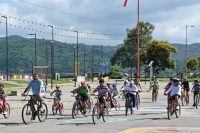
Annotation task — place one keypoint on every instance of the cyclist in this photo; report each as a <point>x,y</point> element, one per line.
<point>2,98</point>
<point>174,91</point>
<point>186,88</point>
<point>154,87</point>
<point>196,88</point>
<point>114,91</point>
<point>131,91</point>
<point>83,91</point>
<point>37,86</point>
<point>57,93</point>
<point>103,91</point>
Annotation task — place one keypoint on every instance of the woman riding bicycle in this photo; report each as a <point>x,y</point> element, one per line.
<point>2,97</point>
<point>174,91</point>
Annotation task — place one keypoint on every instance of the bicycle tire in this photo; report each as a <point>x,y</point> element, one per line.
<point>105,114</point>
<point>196,101</point>
<point>42,112</point>
<point>138,103</point>
<point>27,111</point>
<point>7,115</point>
<point>169,111</point>
<point>54,109</point>
<point>126,106</point>
<point>178,112</point>
<point>96,114</point>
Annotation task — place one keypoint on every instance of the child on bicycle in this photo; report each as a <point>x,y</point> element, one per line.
<point>196,88</point>
<point>2,97</point>
<point>155,88</point>
<point>57,93</point>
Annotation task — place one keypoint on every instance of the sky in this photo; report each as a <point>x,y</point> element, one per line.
<point>100,22</point>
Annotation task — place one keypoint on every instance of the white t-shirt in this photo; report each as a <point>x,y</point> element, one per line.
<point>132,89</point>
<point>173,90</point>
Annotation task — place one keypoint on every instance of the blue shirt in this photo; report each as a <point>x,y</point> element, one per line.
<point>35,85</point>
<point>196,87</point>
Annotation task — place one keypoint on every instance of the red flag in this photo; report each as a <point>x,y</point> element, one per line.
<point>125,2</point>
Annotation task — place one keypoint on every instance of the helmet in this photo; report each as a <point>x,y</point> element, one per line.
<point>83,83</point>
<point>176,79</point>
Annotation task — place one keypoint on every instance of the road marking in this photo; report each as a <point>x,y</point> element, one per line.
<point>162,129</point>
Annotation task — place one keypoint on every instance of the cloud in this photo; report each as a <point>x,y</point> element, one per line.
<point>107,16</point>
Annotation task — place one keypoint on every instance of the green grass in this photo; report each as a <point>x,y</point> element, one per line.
<point>8,87</point>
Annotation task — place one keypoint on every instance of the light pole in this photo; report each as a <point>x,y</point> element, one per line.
<point>6,46</point>
<point>74,48</point>
<point>35,48</point>
<point>52,57</point>
<point>186,48</point>
<point>77,47</point>
<point>138,40</point>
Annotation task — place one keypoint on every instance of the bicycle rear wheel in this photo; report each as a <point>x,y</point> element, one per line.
<point>7,115</point>
<point>27,114</point>
<point>96,114</point>
<point>42,112</point>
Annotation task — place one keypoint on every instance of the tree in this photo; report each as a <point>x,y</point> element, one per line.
<point>115,71</point>
<point>193,63</point>
<point>126,55</point>
<point>160,53</point>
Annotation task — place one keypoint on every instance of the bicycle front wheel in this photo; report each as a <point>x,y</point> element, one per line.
<point>105,114</point>
<point>96,114</point>
<point>42,112</point>
<point>169,111</point>
<point>27,114</point>
<point>178,111</point>
<point>196,101</point>
<point>54,109</point>
<point>7,115</point>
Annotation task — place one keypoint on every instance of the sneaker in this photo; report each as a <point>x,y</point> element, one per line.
<point>5,113</point>
<point>134,109</point>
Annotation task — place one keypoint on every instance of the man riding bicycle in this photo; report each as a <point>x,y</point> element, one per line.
<point>196,88</point>
<point>174,91</point>
<point>37,86</point>
<point>103,91</point>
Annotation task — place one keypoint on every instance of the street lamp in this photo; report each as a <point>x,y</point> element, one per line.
<point>186,48</point>
<point>35,48</point>
<point>6,46</point>
<point>74,48</point>
<point>52,57</point>
<point>77,74</point>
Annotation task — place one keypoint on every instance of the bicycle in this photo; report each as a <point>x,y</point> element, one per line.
<point>172,108</point>
<point>116,104</point>
<point>196,99</point>
<point>57,106</point>
<point>128,104</point>
<point>78,106</point>
<point>99,110</point>
<point>7,115</point>
<point>33,109</point>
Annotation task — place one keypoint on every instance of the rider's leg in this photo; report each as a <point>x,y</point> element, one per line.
<point>39,98</point>
<point>194,98</point>
<point>177,100</point>
<point>4,104</point>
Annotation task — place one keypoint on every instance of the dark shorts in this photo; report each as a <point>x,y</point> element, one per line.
<point>186,89</point>
<point>196,92</point>
<point>173,97</point>
<point>101,98</point>
<point>84,97</point>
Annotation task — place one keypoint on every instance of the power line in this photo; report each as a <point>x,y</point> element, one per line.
<point>71,14</point>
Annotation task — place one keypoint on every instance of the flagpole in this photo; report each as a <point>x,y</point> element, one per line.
<point>138,40</point>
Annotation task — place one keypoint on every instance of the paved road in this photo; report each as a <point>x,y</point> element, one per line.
<point>151,117</point>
